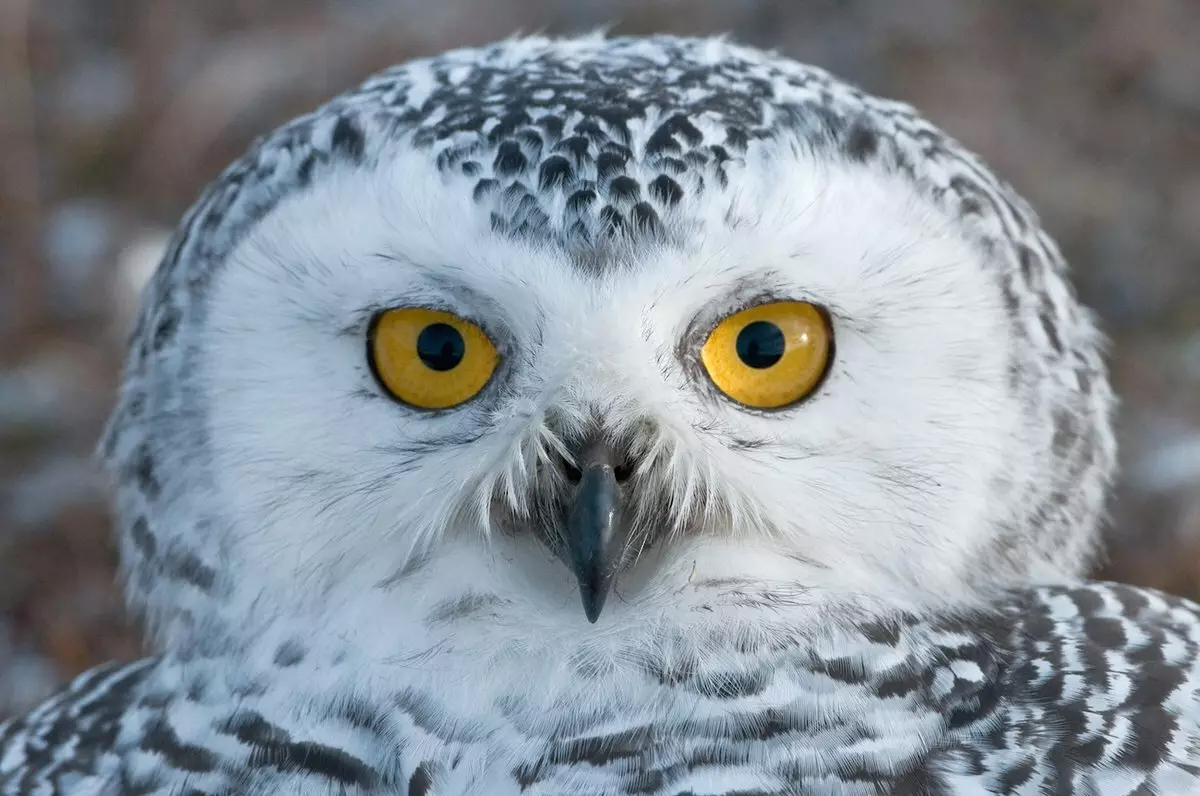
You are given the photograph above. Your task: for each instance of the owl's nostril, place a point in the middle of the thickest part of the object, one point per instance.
(596, 454)
(573, 473)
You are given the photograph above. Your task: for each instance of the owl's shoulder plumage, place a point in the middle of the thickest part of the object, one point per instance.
(1096, 691)
(68, 744)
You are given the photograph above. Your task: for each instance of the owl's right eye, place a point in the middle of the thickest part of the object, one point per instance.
(771, 355)
(430, 359)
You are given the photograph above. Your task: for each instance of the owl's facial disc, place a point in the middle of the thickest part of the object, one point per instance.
(815, 376)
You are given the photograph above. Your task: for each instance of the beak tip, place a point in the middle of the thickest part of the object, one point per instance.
(593, 601)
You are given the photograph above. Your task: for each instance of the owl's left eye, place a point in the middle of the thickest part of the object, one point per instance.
(771, 355)
(430, 359)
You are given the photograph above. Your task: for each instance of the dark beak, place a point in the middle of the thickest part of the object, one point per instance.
(596, 531)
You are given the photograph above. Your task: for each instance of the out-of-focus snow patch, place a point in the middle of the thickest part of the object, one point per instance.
(78, 240)
(28, 677)
(1174, 465)
(136, 264)
(34, 399)
(36, 497)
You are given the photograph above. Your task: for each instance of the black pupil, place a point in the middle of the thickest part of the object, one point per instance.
(440, 346)
(760, 344)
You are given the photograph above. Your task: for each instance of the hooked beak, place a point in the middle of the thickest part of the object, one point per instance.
(597, 533)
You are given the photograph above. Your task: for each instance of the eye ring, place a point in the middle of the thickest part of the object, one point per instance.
(429, 359)
(770, 356)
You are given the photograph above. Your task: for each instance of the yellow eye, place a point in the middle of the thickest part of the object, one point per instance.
(430, 359)
(769, 356)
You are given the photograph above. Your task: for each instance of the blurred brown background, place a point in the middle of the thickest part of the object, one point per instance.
(114, 113)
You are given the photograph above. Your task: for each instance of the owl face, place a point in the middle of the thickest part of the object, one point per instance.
(637, 331)
(802, 387)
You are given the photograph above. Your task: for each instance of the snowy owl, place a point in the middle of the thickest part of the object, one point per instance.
(613, 416)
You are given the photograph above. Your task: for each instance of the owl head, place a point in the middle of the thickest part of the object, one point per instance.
(670, 327)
